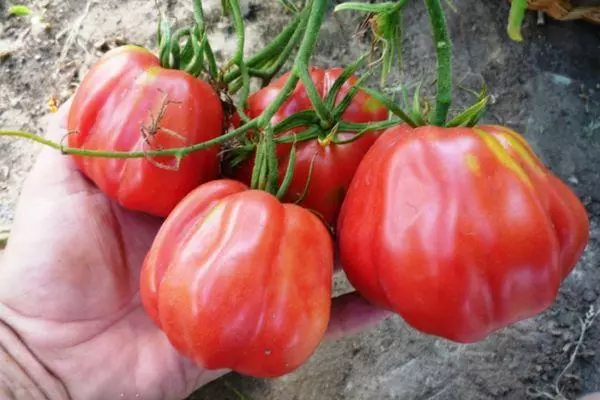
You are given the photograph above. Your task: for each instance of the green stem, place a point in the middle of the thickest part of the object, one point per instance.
(210, 56)
(199, 14)
(265, 118)
(176, 152)
(238, 23)
(515, 19)
(271, 50)
(443, 47)
(272, 161)
(267, 74)
(315, 20)
(300, 71)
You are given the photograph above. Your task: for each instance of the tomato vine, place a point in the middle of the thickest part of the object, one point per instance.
(197, 57)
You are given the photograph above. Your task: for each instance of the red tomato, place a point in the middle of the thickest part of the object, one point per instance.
(461, 231)
(333, 165)
(238, 280)
(127, 102)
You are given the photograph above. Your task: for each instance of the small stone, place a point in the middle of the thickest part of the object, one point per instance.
(101, 45)
(589, 295)
(119, 41)
(573, 179)
(4, 172)
(37, 57)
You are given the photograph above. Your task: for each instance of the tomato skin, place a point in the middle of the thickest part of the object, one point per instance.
(121, 94)
(238, 280)
(461, 231)
(333, 165)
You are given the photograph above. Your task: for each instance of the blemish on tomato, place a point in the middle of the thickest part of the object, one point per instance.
(372, 105)
(473, 164)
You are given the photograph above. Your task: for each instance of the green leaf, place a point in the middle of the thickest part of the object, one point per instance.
(289, 174)
(19, 10)
(345, 103)
(471, 115)
(343, 78)
(301, 118)
(416, 106)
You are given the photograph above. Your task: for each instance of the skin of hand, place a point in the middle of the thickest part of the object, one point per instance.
(69, 290)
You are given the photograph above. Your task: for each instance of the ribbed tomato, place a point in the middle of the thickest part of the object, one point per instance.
(238, 280)
(128, 102)
(461, 231)
(333, 165)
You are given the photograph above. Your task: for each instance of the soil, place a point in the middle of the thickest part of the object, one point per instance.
(547, 88)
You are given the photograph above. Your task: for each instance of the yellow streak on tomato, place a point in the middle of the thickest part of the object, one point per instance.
(473, 164)
(153, 72)
(524, 151)
(503, 156)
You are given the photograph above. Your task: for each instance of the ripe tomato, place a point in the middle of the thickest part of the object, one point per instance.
(461, 231)
(127, 102)
(238, 280)
(333, 165)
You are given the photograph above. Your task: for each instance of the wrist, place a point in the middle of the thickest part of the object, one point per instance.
(22, 376)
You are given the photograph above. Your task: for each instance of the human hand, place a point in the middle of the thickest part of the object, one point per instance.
(69, 291)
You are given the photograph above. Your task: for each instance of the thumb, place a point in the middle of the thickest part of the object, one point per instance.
(351, 313)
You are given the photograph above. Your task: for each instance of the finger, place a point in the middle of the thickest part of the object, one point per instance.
(592, 396)
(351, 313)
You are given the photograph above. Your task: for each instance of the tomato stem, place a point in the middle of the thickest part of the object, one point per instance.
(443, 47)
(272, 67)
(300, 69)
(238, 58)
(176, 152)
(272, 161)
(515, 19)
(210, 56)
(271, 50)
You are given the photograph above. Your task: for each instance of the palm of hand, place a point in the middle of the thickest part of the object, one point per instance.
(69, 288)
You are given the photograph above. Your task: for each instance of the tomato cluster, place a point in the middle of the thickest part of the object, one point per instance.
(461, 231)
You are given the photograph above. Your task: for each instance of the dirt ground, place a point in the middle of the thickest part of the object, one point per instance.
(547, 88)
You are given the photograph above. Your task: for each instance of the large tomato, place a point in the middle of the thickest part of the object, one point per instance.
(238, 280)
(333, 165)
(127, 102)
(461, 231)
